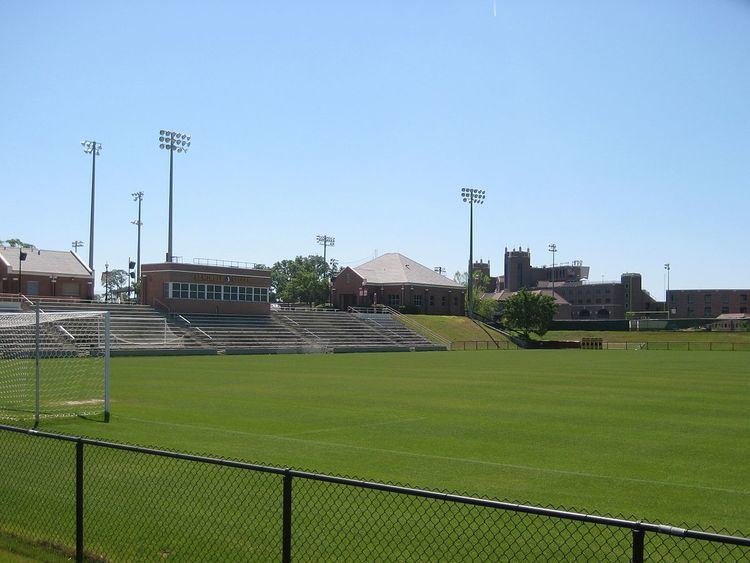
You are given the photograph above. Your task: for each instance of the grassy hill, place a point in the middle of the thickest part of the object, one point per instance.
(457, 328)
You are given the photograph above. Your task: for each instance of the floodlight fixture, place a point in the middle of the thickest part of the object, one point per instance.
(325, 241)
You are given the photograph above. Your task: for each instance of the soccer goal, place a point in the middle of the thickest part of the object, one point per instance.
(54, 365)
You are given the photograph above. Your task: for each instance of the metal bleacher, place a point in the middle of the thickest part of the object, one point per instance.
(141, 329)
(132, 327)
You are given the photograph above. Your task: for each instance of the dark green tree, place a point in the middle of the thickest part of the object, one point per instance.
(302, 280)
(481, 306)
(114, 280)
(15, 242)
(529, 312)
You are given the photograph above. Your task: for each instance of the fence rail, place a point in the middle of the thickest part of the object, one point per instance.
(483, 345)
(679, 345)
(102, 500)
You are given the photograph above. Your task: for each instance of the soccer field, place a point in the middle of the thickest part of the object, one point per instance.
(657, 435)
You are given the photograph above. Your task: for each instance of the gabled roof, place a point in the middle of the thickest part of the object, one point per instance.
(394, 268)
(44, 262)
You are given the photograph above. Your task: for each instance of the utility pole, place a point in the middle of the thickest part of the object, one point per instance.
(76, 244)
(553, 249)
(138, 196)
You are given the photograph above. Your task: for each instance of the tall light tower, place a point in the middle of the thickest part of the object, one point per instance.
(326, 241)
(138, 196)
(76, 244)
(471, 196)
(92, 148)
(666, 296)
(172, 141)
(553, 249)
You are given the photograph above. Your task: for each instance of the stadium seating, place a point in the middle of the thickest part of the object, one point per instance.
(133, 327)
(140, 327)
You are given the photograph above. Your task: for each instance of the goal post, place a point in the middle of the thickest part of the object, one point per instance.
(54, 364)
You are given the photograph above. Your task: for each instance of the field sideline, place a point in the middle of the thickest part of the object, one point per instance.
(658, 435)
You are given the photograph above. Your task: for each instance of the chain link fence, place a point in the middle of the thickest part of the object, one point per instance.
(98, 501)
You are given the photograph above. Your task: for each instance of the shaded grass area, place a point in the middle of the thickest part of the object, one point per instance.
(659, 435)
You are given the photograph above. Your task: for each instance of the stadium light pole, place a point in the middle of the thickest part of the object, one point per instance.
(666, 296)
(172, 141)
(138, 196)
(471, 196)
(76, 244)
(325, 241)
(92, 148)
(553, 249)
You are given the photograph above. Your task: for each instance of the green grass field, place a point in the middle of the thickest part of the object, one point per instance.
(655, 435)
(659, 435)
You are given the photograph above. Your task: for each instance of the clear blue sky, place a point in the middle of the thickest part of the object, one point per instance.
(618, 130)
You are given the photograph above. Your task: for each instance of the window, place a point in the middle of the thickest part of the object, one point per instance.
(71, 289)
(193, 291)
(394, 300)
(455, 301)
(725, 308)
(443, 301)
(743, 309)
(416, 300)
(743, 298)
(432, 300)
(225, 294)
(706, 311)
(690, 298)
(690, 311)
(706, 298)
(725, 298)
(32, 288)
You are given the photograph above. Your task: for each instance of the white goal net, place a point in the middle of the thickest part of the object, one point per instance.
(54, 364)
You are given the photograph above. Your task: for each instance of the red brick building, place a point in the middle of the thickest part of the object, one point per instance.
(45, 273)
(219, 288)
(707, 303)
(395, 280)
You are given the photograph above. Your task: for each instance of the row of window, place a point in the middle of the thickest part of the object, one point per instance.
(394, 300)
(178, 290)
(707, 298)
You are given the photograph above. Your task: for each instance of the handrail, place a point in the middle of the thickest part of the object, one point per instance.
(410, 323)
(65, 332)
(162, 306)
(203, 332)
(184, 319)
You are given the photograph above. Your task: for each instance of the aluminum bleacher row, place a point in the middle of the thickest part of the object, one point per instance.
(140, 328)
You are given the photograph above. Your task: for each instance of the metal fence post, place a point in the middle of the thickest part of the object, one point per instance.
(638, 537)
(286, 523)
(79, 500)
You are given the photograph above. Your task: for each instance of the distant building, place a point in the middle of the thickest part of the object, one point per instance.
(208, 286)
(395, 280)
(45, 273)
(576, 296)
(706, 303)
(731, 322)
